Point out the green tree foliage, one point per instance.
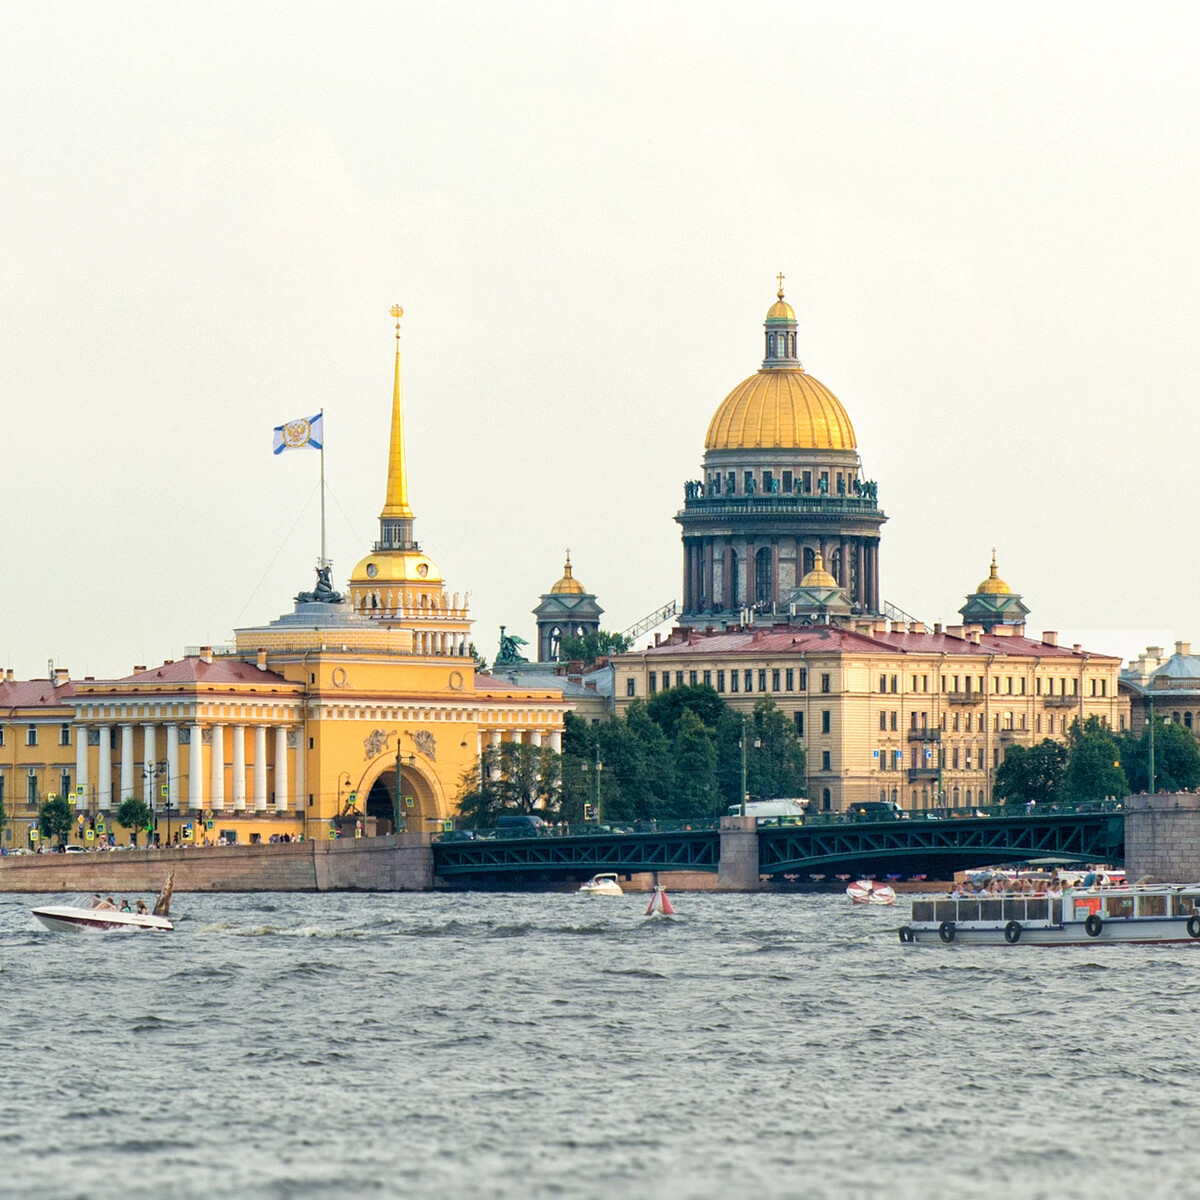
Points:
(54, 818)
(636, 778)
(1031, 773)
(510, 778)
(1176, 758)
(590, 646)
(665, 708)
(1093, 763)
(134, 814)
(774, 756)
(695, 760)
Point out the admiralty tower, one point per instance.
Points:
(782, 501)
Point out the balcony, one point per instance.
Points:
(964, 697)
(924, 735)
(781, 505)
(917, 774)
(1061, 701)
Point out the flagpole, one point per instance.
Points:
(321, 415)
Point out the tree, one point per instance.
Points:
(1093, 769)
(54, 818)
(590, 646)
(510, 778)
(695, 760)
(134, 814)
(775, 758)
(665, 708)
(1176, 758)
(1031, 773)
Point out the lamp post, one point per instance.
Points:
(150, 772)
(743, 798)
(1150, 789)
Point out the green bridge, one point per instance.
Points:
(932, 847)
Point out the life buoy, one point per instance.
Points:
(1193, 925)
(906, 934)
(1093, 925)
(1012, 932)
(946, 931)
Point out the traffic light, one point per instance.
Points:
(589, 812)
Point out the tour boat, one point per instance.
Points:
(867, 891)
(601, 885)
(1133, 914)
(660, 905)
(98, 920)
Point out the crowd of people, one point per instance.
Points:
(1020, 885)
(108, 904)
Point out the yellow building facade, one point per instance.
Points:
(348, 715)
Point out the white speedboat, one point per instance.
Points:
(867, 891)
(98, 920)
(601, 885)
(1132, 914)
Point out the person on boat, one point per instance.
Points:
(94, 902)
(141, 908)
(1054, 887)
(108, 904)
(125, 904)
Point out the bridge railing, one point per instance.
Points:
(580, 829)
(947, 813)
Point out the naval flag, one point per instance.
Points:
(293, 435)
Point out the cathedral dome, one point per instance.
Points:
(993, 585)
(781, 310)
(785, 408)
(568, 585)
(396, 566)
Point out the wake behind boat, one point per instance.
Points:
(65, 917)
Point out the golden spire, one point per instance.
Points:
(780, 292)
(395, 505)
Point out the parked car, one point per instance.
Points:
(876, 810)
(519, 825)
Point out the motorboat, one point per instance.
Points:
(601, 885)
(660, 904)
(62, 917)
(1134, 914)
(867, 891)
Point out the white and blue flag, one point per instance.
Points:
(294, 435)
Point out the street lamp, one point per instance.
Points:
(596, 769)
(757, 745)
(150, 772)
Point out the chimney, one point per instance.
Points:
(657, 638)
(1050, 637)
(1184, 648)
(918, 627)
(206, 653)
(261, 662)
(136, 669)
(1077, 647)
(8, 675)
(937, 627)
(61, 675)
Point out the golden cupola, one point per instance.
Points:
(993, 585)
(781, 406)
(818, 577)
(568, 585)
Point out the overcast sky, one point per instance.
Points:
(986, 214)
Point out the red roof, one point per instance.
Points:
(34, 693)
(194, 670)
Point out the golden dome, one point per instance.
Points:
(396, 566)
(993, 585)
(818, 577)
(781, 310)
(781, 407)
(568, 584)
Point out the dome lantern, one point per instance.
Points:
(779, 337)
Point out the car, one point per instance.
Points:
(519, 825)
(876, 810)
(458, 835)
(75, 850)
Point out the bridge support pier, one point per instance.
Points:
(738, 870)
(1162, 837)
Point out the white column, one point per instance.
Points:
(104, 770)
(81, 766)
(535, 737)
(298, 781)
(174, 795)
(150, 780)
(239, 768)
(556, 740)
(494, 739)
(260, 768)
(217, 762)
(281, 771)
(126, 763)
(196, 770)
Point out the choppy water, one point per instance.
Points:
(522, 1046)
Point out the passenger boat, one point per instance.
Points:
(1133, 914)
(64, 917)
(867, 891)
(601, 885)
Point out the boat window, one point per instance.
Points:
(944, 910)
(968, 910)
(922, 910)
(991, 910)
(1035, 910)
(1152, 906)
(1183, 906)
(1056, 912)
(1118, 906)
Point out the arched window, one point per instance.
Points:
(791, 345)
(763, 590)
(956, 797)
(835, 565)
(883, 795)
(968, 795)
(895, 795)
(826, 800)
(770, 345)
(734, 601)
(1187, 719)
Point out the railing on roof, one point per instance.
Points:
(719, 506)
(654, 619)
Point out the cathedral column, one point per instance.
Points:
(174, 797)
(709, 584)
(860, 591)
(260, 768)
(149, 756)
(875, 577)
(298, 763)
(104, 770)
(281, 771)
(196, 767)
(775, 574)
(239, 768)
(217, 788)
(81, 766)
(126, 762)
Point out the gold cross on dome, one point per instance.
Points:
(397, 312)
(780, 277)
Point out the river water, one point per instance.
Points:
(526, 1046)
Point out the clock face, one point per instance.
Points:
(372, 570)
(423, 570)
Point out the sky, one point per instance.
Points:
(986, 215)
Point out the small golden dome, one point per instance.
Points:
(568, 584)
(781, 310)
(818, 577)
(993, 585)
(781, 407)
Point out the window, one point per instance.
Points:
(708, 679)
(883, 720)
(968, 723)
(1051, 720)
(825, 683)
(666, 680)
(693, 678)
(996, 723)
(733, 681)
(954, 757)
(914, 683)
(768, 478)
(1022, 685)
(748, 681)
(1094, 682)
(64, 735)
(720, 681)
(630, 686)
(807, 481)
(748, 482)
(1037, 686)
(798, 717)
(1104, 687)
(995, 683)
(310, 746)
(791, 680)
(943, 683)
(996, 757)
(826, 798)
(924, 683)
(981, 683)
(1010, 685)
(956, 722)
(883, 683)
(967, 762)
(912, 720)
(775, 681)
(1074, 687)
(895, 683)
(64, 786)
(895, 718)
(31, 789)
(787, 481)
(1, 735)
(824, 720)
(804, 679)
(31, 736)
(679, 679)
(1038, 722)
(762, 681)
(653, 682)
(826, 761)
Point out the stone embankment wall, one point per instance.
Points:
(1162, 837)
(385, 864)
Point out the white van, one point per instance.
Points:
(772, 808)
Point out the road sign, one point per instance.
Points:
(165, 790)
(89, 836)
(79, 790)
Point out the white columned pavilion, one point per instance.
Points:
(217, 789)
(150, 780)
(173, 795)
(298, 782)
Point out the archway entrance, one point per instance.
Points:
(381, 803)
(418, 801)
